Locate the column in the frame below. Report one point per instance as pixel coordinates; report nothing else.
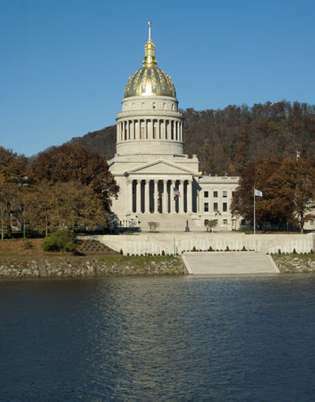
(156, 190)
(172, 202)
(129, 196)
(138, 192)
(150, 127)
(147, 197)
(189, 196)
(117, 132)
(132, 130)
(181, 197)
(165, 198)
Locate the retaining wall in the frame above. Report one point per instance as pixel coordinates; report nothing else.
(172, 243)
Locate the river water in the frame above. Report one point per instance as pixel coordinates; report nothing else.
(159, 339)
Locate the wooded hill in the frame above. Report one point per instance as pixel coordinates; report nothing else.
(226, 139)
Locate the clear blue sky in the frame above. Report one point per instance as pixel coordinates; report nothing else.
(64, 63)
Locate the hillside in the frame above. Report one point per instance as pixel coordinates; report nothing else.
(225, 139)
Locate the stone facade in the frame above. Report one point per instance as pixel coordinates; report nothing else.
(157, 181)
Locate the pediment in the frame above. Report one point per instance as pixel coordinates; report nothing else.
(160, 167)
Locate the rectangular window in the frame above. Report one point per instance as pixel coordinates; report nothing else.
(206, 194)
(225, 194)
(215, 206)
(206, 207)
(225, 221)
(215, 194)
(224, 206)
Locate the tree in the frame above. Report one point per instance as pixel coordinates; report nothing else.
(74, 163)
(46, 208)
(287, 187)
(12, 174)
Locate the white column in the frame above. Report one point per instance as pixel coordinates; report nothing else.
(147, 197)
(146, 131)
(129, 195)
(172, 202)
(138, 192)
(150, 129)
(117, 132)
(165, 198)
(132, 134)
(189, 196)
(181, 197)
(156, 196)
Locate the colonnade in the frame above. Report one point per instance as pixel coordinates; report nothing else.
(161, 196)
(150, 129)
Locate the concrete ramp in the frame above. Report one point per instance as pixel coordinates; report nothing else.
(229, 263)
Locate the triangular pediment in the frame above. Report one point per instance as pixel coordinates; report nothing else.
(160, 167)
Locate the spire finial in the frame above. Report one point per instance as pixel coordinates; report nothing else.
(149, 48)
(149, 31)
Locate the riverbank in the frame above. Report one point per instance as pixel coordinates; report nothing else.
(295, 263)
(26, 260)
(77, 267)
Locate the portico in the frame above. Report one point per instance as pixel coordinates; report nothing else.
(160, 195)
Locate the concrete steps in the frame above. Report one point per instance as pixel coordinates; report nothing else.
(229, 263)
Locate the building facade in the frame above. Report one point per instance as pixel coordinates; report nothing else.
(157, 181)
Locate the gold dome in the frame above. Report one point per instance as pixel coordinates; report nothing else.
(150, 80)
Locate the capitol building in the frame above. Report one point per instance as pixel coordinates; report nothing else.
(157, 181)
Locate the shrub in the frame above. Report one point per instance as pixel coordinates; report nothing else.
(244, 248)
(194, 248)
(227, 248)
(27, 244)
(62, 240)
(153, 226)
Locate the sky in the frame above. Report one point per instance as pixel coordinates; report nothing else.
(64, 63)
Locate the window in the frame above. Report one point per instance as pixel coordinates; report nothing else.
(206, 194)
(225, 221)
(215, 194)
(224, 206)
(225, 194)
(206, 207)
(215, 206)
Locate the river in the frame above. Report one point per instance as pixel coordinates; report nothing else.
(159, 339)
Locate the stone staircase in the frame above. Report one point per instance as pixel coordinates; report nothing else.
(229, 263)
(170, 223)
